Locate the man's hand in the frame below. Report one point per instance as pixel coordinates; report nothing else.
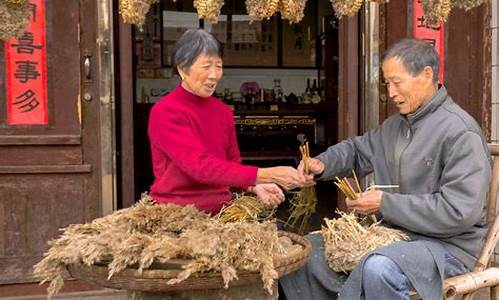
(368, 202)
(314, 167)
(286, 177)
(269, 193)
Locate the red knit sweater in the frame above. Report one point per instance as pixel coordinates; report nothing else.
(195, 153)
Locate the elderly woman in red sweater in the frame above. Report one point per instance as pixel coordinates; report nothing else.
(193, 140)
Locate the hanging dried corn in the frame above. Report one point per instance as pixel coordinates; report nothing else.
(467, 4)
(208, 9)
(292, 10)
(14, 16)
(134, 11)
(262, 9)
(346, 7)
(436, 10)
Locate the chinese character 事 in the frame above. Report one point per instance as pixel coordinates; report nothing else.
(26, 70)
(27, 101)
(25, 44)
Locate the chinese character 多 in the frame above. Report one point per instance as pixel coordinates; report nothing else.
(27, 101)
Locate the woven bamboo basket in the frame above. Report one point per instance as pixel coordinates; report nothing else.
(155, 278)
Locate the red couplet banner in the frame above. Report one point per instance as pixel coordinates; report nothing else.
(433, 34)
(26, 71)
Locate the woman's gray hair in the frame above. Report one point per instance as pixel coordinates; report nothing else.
(415, 55)
(192, 44)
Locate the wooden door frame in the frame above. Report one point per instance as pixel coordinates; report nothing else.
(107, 128)
(81, 124)
(349, 78)
(124, 73)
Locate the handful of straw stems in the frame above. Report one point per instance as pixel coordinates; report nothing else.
(245, 208)
(304, 202)
(345, 186)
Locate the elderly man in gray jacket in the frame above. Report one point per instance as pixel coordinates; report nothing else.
(438, 156)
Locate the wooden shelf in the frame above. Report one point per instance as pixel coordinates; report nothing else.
(296, 109)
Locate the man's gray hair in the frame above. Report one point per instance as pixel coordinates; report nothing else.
(192, 44)
(415, 55)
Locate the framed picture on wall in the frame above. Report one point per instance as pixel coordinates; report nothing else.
(299, 40)
(247, 42)
(175, 23)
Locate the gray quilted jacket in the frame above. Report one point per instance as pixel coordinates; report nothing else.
(439, 158)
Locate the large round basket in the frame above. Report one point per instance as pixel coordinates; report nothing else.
(155, 278)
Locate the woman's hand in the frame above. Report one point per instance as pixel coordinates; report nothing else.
(269, 193)
(286, 177)
(368, 202)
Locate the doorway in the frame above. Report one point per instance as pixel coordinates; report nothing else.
(302, 60)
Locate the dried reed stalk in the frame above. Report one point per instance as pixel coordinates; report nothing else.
(347, 240)
(304, 202)
(147, 233)
(245, 208)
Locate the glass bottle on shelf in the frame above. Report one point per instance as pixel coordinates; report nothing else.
(315, 97)
(278, 91)
(314, 87)
(307, 93)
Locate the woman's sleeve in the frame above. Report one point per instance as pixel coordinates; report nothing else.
(170, 131)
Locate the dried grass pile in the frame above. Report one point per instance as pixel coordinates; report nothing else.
(347, 239)
(245, 208)
(14, 16)
(146, 233)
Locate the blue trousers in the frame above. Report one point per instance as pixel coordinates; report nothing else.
(383, 279)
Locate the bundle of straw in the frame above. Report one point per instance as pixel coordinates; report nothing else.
(245, 208)
(347, 240)
(303, 202)
(345, 186)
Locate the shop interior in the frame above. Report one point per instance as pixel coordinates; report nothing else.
(280, 79)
